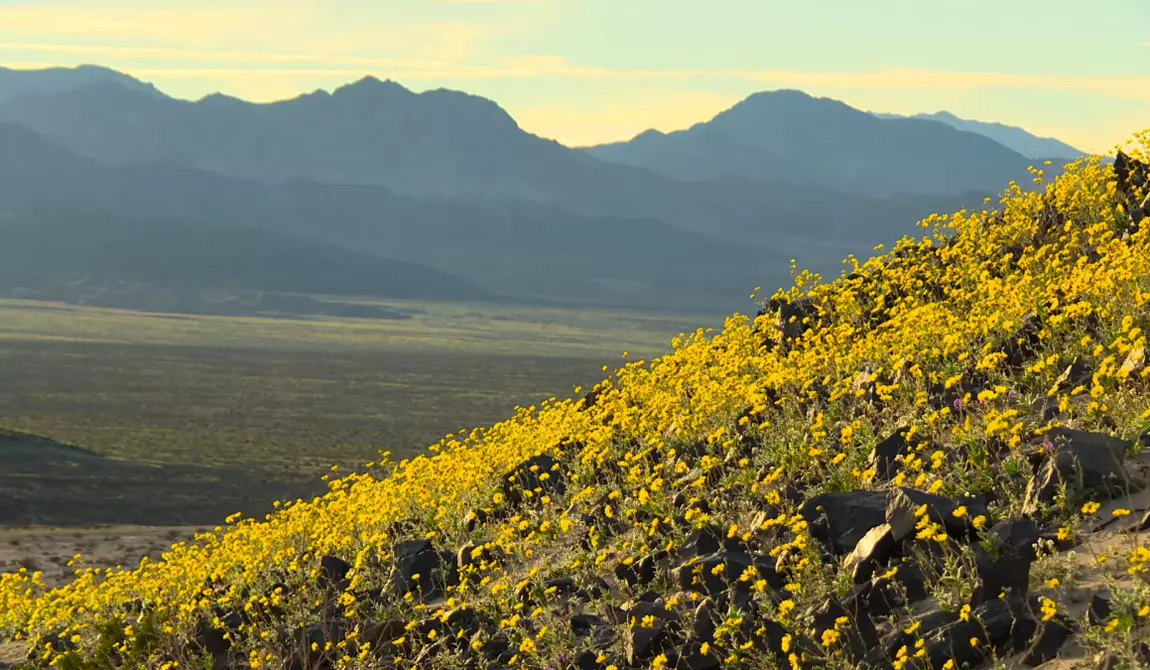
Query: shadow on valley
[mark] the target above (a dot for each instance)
(44, 482)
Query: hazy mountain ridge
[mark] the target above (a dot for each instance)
(16, 84)
(791, 136)
(436, 143)
(1014, 138)
(448, 180)
(136, 219)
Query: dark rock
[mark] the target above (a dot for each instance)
(525, 592)
(595, 589)
(309, 642)
(902, 503)
(563, 586)
(649, 597)
(588, 660)
(591, 398)
(1000, 626)
(873, 550)
(691, 657)
(1020, 346)
(905, 587)
(839, 520)
(585, 624)
(540, 475)
(1133, 187)
(857, 636)
(1099, 608)
(1052, 635)
(333, 573)
(474, 556)
(700, 575)
(210, 639)
(476, 519)
(383, 633)
(647, 631)
(1006, 565)
(886, 454)
(703, 622)
(436, 570)
(637, 573)
(498, 648)
(921, 626)
(703, 541)
(795, 318)
(1093, 462)
(1076, 374)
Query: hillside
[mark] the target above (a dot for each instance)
(1011, 137)
(883, 471)
(823, 143)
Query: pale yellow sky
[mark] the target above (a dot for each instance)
(590, 71)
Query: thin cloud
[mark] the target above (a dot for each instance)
(240, 58)
(260, 63)
(202, 26)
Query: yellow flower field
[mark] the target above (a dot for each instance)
(675, 488)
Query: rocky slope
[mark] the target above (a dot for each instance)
(936, 460)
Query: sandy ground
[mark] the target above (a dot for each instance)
(50, 549)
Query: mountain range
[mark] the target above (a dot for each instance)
(373, 189)
(1011, 137)
(791, 136)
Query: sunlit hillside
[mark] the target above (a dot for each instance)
(938, 459)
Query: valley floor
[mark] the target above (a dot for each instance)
(125, 431)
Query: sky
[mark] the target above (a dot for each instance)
(591, 71)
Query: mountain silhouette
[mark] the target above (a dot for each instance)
(66, 216)
(66, 219)
(438, 143)
(448, 181)
(23, 83)
(790, 136)
(1012, 137)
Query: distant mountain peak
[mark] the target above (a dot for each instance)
(781, 106)
(19, 83)
(780, 93)
(372, 86)
(218, 98)
(648, 134)
(1017, 139)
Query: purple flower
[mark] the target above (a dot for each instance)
(1011, 393)
(958, 403)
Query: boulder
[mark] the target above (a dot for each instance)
(884, 458)
(1000, 627)
(857, 635)
(838, 520)
(648, 633)
(905, 586)
(903, 503)
(422, 570)
(874, 549)
(1005, 566)
(333, 573)
(1093, 462)
(539, 475)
